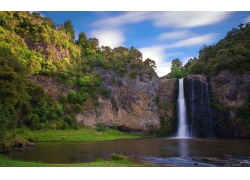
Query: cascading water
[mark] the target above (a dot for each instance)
(199, 121)
(182, 126)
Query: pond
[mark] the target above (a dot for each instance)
(158, 150)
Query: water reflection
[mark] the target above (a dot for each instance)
(72, 152)
(183, 148)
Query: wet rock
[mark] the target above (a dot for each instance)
(231, 94)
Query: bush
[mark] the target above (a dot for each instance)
(243, 112)
(101, 126)
(133, 74)
(72, 96)
(68, 119)
(115, 156)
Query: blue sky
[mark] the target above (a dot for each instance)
(160, 31)
(161, 36)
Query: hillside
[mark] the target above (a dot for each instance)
(47, 78)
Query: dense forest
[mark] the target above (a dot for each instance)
(231, 52)
(33, 47)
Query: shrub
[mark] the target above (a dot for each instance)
(133, 74)
(62, 98)
(72, 96)
(69, 119)
(115, 156)
(101, 126)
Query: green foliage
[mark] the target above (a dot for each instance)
(84, 81)
(69, 120)
(62, 99)
(133, 74)
(243, 112)
(101, 126)
(231, 53)
(72, 96)
(175, 72)
(115, 156)
(69, 28)
(157, 100)
(215, 103)
(32, 45)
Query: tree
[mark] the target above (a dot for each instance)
(240, 25)
(69, 28)
(94, 43)
(150, 62)
(135, 54)
(176, 62)
(175, 72)
(82, 40)
(176, 69)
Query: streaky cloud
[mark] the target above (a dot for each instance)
(187, 19)
(197, 40)
(124, 18)
(175, 35)
(177, 19)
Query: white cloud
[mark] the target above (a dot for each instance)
(247, 19)
(179, 19)
(185, 59)
(174, 35)
(157, 53)
(198, 40)
(189, 18)
(125, 18)
(108, 37)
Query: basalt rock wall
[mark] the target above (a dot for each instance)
(212, 104)
(131, 105)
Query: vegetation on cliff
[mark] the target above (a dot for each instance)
(230, 53)
(33, 49)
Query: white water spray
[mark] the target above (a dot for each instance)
(182, 127)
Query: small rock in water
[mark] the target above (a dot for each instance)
(196, 164)
(227, 155)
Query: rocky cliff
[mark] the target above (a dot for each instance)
(212, 104)
(131, 105)
(167, 105)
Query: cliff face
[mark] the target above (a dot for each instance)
(131, 106)
(212, 103)
(231, 90)
(199, 116)
(168, 94)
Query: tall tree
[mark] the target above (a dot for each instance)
(176, 62)
(82, 40)
(69, 28)
(150, 62)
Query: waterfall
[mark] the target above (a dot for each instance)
(199, 121)
(182, 127)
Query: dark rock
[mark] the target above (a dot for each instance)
(232, 94)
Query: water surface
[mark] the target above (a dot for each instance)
(76, 152)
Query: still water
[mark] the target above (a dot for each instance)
(75, 152)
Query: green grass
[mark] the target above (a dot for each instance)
(83, 134)
(8, 162)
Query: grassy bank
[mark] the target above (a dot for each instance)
(83, 134)
(8, 162)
